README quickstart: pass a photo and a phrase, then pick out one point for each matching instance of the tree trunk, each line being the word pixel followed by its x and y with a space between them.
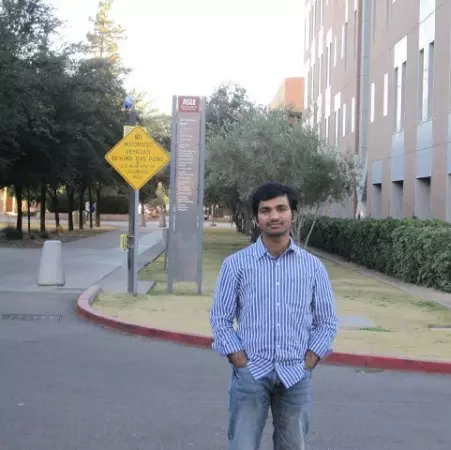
pixel 29 210
pixel 300 223
pixel 19 198
pixel 315 216
pixel 54 195
pixel 90 208
pixel 42 201
pixel 98 199
pixel 213 215
pixel 80 207
pixel 70 207
pixel 310 232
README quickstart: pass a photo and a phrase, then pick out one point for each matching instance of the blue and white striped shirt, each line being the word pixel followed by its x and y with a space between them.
pixel 283 307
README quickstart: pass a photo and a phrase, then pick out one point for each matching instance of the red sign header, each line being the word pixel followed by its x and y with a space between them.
pixel 189 104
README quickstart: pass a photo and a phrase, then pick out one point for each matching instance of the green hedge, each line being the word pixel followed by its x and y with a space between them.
pixel 113 204
pixel 413 250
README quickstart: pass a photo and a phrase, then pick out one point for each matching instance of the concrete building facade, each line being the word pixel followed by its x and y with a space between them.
pixel 378 84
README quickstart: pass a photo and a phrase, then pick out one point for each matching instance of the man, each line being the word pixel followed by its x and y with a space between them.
pixel 282 301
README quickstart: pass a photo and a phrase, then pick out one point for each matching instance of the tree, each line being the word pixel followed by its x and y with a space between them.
pixel 26 29
pixel 103 41
pixel 103 48
pixel 261 145
pixel 58 114
pixel 225 106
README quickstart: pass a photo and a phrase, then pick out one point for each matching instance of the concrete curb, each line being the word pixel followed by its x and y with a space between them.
pixel 85 309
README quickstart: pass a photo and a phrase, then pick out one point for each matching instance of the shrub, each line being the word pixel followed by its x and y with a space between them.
pixel 413 250
pixel 11 234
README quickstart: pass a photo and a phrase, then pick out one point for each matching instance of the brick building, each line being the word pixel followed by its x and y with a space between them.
pixel 290 95
pixel 8 203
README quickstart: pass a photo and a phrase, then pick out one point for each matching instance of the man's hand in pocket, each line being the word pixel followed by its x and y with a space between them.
pixel 238 359
pixel 311 360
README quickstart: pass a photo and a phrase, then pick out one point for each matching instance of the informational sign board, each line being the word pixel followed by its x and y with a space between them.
pixel 187 191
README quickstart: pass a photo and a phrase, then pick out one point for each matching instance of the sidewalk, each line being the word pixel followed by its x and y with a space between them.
pixel 86 261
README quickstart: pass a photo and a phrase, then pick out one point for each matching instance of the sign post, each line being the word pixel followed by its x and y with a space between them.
pixel 185 246
pixel 133 238
pixel 137 158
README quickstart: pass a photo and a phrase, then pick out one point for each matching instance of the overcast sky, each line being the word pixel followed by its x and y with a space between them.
pixel 188 47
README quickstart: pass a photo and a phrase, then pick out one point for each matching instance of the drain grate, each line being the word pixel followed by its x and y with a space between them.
pixel 31 317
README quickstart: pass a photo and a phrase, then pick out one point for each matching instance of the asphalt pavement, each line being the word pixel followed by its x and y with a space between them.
pixel 68 384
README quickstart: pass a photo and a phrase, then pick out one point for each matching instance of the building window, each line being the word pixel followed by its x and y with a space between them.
pixel 353 115
pixel 376 209
pixel 423 198
pixel 335 51
pixel 427 7
pixel 430 97
pixel 449 80
pixel 328 64
pixel 344 42
pixel 426 82
pixel 327 129
pixel 373 94
pixel 373 13
pixel 400 96
pixel 321 13
pixel 385 94
pixel 337 126
pixel 344 120
pixel 421 77
pixel 356 34
pixel 320 74
pixel 388 4
pixel 397 199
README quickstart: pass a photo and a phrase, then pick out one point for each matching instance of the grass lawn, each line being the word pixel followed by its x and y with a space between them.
pixel 402 322
pixel 35 239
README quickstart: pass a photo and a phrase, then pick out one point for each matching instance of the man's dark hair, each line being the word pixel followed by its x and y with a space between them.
pixel 270 190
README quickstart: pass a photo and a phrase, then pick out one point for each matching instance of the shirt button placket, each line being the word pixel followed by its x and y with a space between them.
pixel 278 311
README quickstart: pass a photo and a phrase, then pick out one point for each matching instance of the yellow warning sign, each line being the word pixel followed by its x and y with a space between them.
pixel 137 157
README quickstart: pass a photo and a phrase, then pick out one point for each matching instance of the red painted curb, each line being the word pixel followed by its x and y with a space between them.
pixel 389 363
pixel 85 309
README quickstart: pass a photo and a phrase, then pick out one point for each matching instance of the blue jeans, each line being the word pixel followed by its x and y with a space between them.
pixel 250 401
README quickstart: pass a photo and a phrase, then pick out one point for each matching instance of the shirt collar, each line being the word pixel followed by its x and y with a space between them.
pixel 261 250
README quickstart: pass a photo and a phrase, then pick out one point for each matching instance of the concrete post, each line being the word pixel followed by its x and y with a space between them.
pixel 51 270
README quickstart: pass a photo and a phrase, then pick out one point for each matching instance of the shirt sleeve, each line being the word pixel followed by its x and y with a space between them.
pixel 325 321
pixel 223 312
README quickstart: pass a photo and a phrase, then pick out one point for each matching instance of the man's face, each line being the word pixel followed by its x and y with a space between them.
pixel 275 216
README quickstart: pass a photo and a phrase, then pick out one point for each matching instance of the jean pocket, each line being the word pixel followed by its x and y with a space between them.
pixel 241 371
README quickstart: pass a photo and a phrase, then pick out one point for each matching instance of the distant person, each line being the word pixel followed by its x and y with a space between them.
pixel 282 301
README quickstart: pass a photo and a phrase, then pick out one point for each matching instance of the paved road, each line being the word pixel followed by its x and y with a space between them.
pixel 73 385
